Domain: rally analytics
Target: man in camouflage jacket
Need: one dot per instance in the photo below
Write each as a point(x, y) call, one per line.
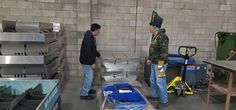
point(158, 56)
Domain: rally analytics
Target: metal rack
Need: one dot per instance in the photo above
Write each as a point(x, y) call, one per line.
point(30, 49)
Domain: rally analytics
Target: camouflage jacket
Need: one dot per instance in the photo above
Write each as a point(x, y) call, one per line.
point(158, 49)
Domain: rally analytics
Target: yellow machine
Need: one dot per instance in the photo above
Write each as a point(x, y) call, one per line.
point(174, 83)
point(178, 84)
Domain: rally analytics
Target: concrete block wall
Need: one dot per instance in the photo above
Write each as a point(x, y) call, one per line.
point(192, 22)
point(187, 22)
point(125, 22)
point(117, 19)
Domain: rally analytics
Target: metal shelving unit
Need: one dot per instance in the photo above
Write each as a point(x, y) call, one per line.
point(29, 49)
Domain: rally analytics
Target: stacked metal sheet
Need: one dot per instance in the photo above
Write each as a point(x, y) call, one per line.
point(29, 49)
point(120, 67)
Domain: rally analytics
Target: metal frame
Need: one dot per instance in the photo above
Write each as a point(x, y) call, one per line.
point(32, 60)
point(21, 37)
point(1, 30)
point(29, 70)
point(27, 37)
point(22, 60)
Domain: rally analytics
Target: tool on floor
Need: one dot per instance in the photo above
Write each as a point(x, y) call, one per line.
point(178, 85)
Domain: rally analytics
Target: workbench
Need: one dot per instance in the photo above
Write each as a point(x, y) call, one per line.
point(230, 68)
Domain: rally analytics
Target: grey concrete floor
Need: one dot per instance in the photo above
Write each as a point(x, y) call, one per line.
point(71, 100)
point(71, 96)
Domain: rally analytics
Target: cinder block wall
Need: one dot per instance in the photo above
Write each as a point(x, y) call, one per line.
point(118, 24)
point(125, 22)
point(187, 22)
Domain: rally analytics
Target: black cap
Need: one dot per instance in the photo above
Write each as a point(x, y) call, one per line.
point(156, 20)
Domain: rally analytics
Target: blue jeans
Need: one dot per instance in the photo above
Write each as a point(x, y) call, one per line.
point(158, 85)
point(88, 78)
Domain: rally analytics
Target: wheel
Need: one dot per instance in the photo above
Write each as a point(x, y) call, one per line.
point(182, 93)
point(177, 92)
point(178, 89)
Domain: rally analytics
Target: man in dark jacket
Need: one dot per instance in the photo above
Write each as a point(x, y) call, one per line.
point(88, 54)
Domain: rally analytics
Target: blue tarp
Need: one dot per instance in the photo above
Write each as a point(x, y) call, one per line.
point(178, 60)
point(124, 101)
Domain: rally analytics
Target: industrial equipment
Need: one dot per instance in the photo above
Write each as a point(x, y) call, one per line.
point(225, 50)
point(179, 85)
point(226, 45)
point(196, 72)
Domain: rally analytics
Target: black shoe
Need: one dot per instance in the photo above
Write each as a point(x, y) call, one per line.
point(91, 91)
point(153, 98)
point(89, 97)
point(162, 105)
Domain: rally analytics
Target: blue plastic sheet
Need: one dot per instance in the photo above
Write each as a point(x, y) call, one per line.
point(124, 101)
point(178, 60)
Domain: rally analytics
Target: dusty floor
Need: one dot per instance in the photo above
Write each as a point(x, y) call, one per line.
point(71, 100)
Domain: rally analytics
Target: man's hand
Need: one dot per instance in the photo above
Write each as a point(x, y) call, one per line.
point(149, 62)
point(93, 66)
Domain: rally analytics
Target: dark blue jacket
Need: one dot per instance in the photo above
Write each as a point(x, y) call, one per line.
point(88, 51)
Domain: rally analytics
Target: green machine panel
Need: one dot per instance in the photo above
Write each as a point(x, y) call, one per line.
point(226, 43)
